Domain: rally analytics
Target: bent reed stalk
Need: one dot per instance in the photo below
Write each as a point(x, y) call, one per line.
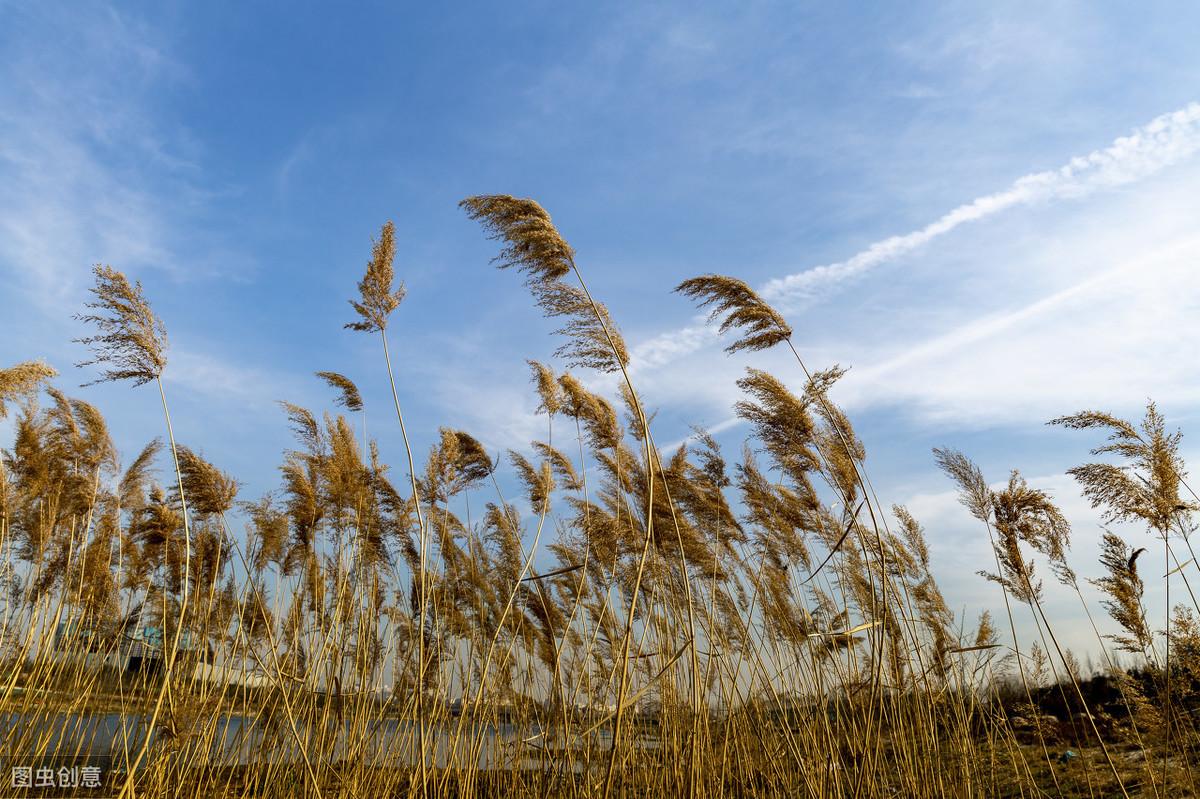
point(660, 622)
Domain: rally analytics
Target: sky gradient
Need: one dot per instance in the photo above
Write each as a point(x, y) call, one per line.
point(990, 216)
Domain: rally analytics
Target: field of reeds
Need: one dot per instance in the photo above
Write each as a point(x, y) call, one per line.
point(667, 623)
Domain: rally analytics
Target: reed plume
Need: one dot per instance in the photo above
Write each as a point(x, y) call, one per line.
point(22, 380)
point(550, 393)
point(1026, 515)
point(211, 491)
point(348, 396)
point(1016, 571)
point(533, 245)
point(268, 532)
point(591, 339)
point(781, 421)
point(132, 342)
point(974, 493)
point(538, 481)
point(133, 484)
point(377, 298)
point(1033, 517)
point(1124, 589)
point(595, 413)
point(1147, 487)
point(468, 460)
point(562, 467)
point(131, 345)
point(739, 308)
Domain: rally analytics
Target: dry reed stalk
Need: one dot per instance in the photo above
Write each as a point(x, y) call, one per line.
point(131, 344)
point(378, 300)
point(855, 677)
point(534, 246)
point(1146, 490)
point(761, 327)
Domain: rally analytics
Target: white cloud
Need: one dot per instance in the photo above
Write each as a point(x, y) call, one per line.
point(503, 414)
point(1164, 141)
point(217, 379)
point(666, 347)
point(1113, 326)
point(918, 91)
point(74, 141)
point(1109, 340)
point(93, 172)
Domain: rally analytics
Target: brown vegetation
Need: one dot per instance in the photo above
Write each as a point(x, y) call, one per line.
point(698, 627)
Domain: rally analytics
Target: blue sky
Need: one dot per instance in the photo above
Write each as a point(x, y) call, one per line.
point(988, 213)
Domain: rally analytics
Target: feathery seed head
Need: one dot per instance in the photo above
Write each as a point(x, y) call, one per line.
point(593, 411)
point(268, 532)
point(349, 397)
point(560, 464)
point(575, 396)
point(1124, 590)
point(548, 388)
point(973, 490)
point(1032, 517)
point(132, 341)
point(378, 300)
point(22, 380)
point(1024, 515)
point(131, 490)
point(538, 481)
point(535, 247)
point(781, 421)
point(208, 489)
point(531, 242)
point(712, 464)
point(1147, 487)
point(763, 327)
point(593, 340)
point(986, 634)
point(305, 426)
point(95, 442)
point(468, 460)
point(914, 536)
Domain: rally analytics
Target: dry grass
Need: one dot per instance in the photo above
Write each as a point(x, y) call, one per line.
point(698, 627)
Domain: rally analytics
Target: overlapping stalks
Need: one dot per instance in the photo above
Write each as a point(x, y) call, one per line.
point(636, 622)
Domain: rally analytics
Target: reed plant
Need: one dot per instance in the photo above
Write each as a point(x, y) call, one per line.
point(659, 622)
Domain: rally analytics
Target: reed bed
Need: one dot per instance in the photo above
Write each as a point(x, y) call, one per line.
point(666, 622)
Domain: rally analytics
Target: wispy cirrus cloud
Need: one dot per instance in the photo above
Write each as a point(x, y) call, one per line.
point(221, 379)
point(1166, 140)
point(95, 169)
point(1162, 142)
point(1109, 340)
point(77, 145)
point(1098, 311)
